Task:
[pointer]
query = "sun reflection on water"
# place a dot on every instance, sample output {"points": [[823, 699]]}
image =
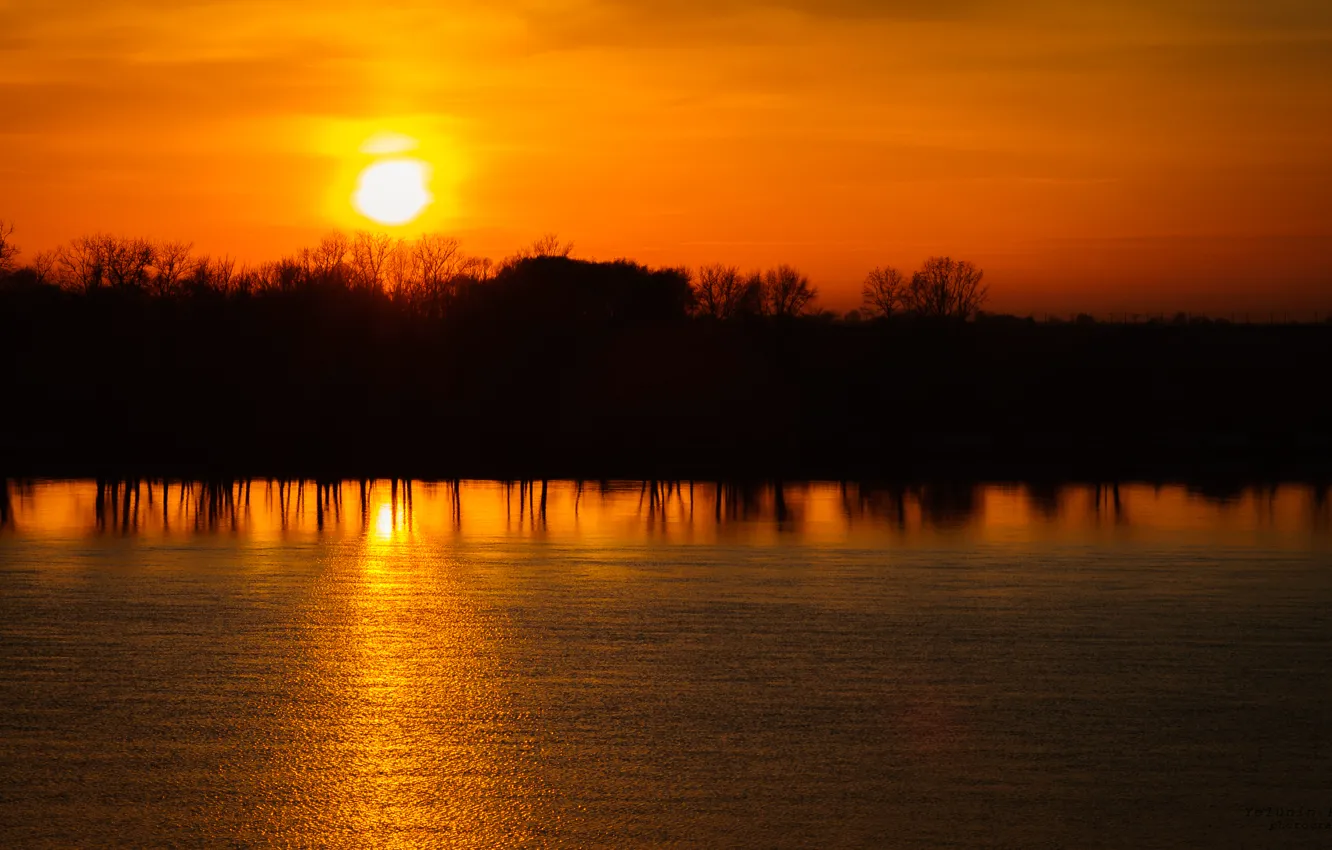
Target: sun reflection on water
{"points": [[416, 664], [411, 745], [686, 512], [384, 522]]}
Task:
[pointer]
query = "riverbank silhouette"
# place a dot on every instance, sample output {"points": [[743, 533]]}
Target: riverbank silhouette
{"points": [[552, 367]]}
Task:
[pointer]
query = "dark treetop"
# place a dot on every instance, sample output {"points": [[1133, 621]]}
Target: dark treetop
{"points": [[562, 367]]}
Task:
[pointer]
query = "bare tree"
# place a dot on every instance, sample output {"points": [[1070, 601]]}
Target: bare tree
{"points": [[8, 250], [370, 254], [883, 291], [44, 266], [439, 258], [127, 261], [282, 275], [219, 274], [400, 270], [724, 293], [437, 263], [80, 263], [481, 268], [786, 292], [546, 246], [171, 261], [245, 279], [327, 262], [946, 288], [549, 245], [89, 262], [709, 287]]}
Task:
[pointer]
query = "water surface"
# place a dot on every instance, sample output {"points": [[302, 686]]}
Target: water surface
{"points": [[663, 664]]}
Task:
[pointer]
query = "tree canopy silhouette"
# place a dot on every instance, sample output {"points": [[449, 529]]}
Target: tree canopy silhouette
{"points": [[722, 292], [945, 288], [786, 292], [8, 250], [555, 289], [370, 349], [884, 291]]}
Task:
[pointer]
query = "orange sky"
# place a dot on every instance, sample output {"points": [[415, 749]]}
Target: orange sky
{"points": [[1126, 155]]}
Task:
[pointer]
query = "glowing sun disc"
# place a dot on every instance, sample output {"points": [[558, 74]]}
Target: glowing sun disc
{"points": [[393, 191]]}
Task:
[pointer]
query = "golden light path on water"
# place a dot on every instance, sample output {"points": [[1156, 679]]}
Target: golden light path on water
{"points": [[392, 726], [411, 673], [628, 512], [491, 664]]}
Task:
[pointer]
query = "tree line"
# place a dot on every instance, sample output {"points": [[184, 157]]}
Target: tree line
{"points": [[365, 353], [430, 273]]}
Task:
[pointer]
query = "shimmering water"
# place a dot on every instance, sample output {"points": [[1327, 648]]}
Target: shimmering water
{"points": [[415, 665]]}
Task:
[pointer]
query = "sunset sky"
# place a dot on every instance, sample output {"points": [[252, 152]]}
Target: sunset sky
{"points": [[1126, 155]]}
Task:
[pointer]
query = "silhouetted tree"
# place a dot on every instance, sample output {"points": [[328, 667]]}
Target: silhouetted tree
{"points": [[438, 259], [481, 269], [399, 274], [79, 264], [43, 267], [171, 262], [564, 363], [370, 255], [282, 275], [327, 261], [723, 293], [127, 262], [945, 288], [786, 292], [219, 274], [560, 290], [437, 263], [883, 291], [89, 262], [8, 250], [549, 245]]}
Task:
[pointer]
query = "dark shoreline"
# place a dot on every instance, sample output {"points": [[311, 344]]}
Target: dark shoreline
{"points": [[552, 377], [1166, 465]]}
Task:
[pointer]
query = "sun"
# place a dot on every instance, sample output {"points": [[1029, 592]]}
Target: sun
{"points": [[393, 191]]}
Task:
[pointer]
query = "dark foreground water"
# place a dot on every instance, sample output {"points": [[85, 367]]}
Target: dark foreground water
{"points": [[414, 665]]}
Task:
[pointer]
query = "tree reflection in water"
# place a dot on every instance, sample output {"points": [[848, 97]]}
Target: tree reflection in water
{"points": [[654, 509]]}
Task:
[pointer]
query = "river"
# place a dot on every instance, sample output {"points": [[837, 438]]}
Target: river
{"points": [[664, 664]]}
